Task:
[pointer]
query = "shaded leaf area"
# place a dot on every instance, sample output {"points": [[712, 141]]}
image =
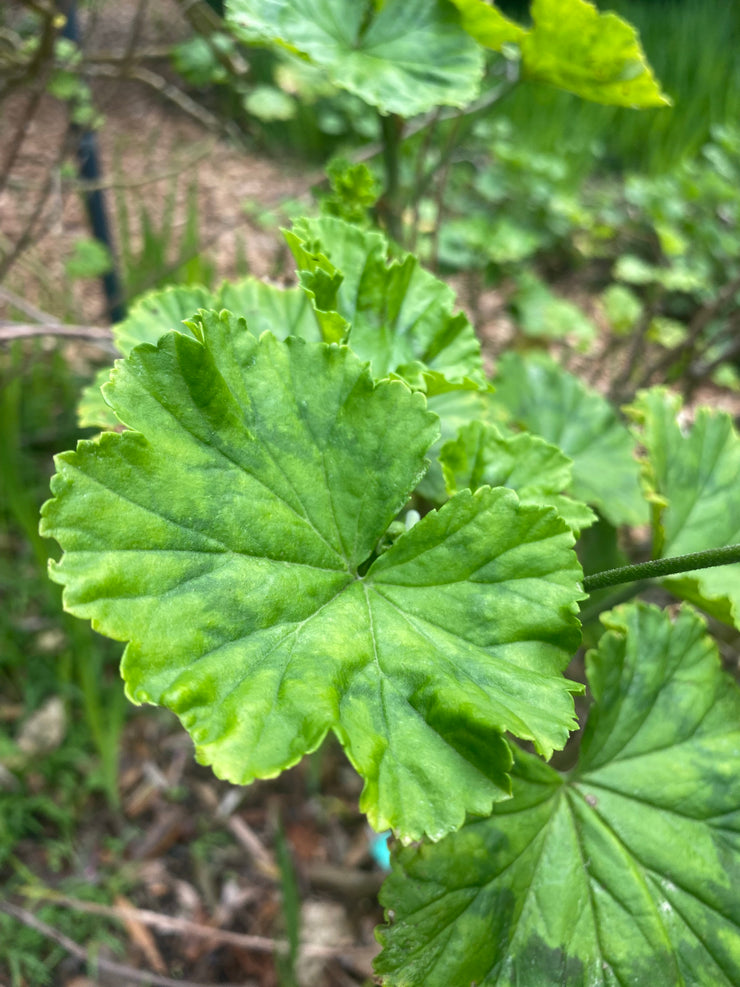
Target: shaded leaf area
{"points": [[282, 311], [393, 312], [624, 871], [403, 56], [231, 540], [537, 394], [537, 470], [574, 47], [691, 476]]}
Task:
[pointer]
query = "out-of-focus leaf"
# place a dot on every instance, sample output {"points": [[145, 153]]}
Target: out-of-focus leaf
{"points": [[692, 478], [403, 56], [622, 308], [626, 870], [541, 313], [539, 395], [488, 25], [270, 103], [596, 56], [574, 47]]}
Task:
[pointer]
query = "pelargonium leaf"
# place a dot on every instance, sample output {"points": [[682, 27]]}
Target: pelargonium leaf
{"points": [[574, 47], [537, 470], [488, 25], [692, 476], [269, 308], [596, 56], [539, 395], [229, 537], [158, 311], [281, 311], [624, 871], [151, 315], [456, 409], [396, 312], [403, 56]]}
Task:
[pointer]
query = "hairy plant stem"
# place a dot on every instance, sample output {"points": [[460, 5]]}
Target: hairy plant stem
{"points": [[662, 567]]}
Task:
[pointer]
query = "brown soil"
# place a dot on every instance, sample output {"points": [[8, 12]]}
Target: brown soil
{"points": [[151, 151]]}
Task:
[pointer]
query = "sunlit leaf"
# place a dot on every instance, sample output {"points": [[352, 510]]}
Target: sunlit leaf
{"points": [[229, 537], [488, 25], [574, 47], [596, 56]]}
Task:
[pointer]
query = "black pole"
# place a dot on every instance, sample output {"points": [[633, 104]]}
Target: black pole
{"points": [[88, 163]]}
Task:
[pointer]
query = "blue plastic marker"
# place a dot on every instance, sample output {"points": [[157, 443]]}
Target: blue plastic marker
{"points": [[380, 850]]}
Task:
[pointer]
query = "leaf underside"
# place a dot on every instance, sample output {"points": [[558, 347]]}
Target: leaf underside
{"points": [[226, 536], [624, 872]]}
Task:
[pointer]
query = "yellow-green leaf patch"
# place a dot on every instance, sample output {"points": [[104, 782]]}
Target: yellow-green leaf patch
{"points": [[229, 536]]}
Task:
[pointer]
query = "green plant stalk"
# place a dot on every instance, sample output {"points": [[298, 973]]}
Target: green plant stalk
{"points": [[662, 567]]}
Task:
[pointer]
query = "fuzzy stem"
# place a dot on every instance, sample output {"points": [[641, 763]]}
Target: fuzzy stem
{"points": [[662, 567]]}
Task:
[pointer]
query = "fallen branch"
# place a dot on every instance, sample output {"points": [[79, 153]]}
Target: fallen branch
{"points": [[10, 331], [184, 927], [37, 314]]}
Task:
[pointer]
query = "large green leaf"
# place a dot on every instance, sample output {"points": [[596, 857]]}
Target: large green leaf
{"points": [[283, 312], [623, 872], [574, 47], [229, 537], [693, 479], [538, 394], [403, 56], [538, 471], [399, 316]]}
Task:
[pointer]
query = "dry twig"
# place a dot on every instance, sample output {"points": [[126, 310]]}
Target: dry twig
{"points": [[120, 970], [185, 927], [10, 331]]}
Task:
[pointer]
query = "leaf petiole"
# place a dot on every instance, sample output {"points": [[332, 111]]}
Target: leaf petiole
{"points": [[662, 567]]}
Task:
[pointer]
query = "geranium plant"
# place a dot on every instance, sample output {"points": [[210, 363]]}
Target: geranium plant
{"points": [[316, 514]]}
